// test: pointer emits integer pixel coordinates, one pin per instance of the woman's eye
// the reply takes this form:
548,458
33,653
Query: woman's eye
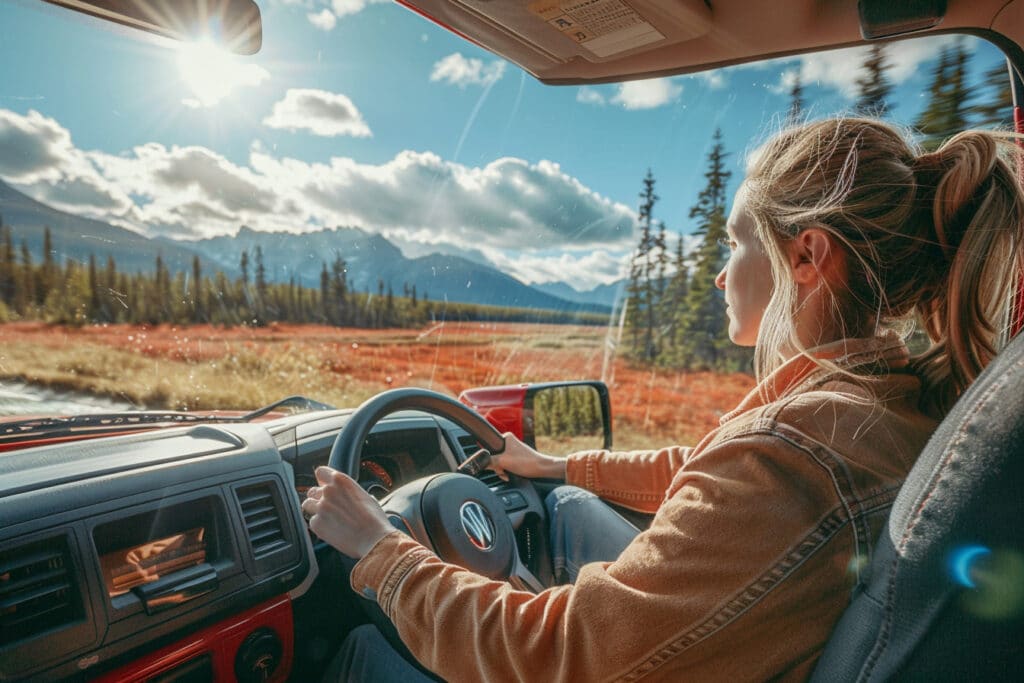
727,243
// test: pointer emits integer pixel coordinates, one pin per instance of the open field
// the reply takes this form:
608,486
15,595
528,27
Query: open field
206,367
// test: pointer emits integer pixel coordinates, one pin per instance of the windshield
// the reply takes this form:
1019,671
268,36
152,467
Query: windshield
372,202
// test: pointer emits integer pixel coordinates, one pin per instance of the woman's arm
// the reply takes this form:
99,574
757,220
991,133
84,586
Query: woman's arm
636,480
685,598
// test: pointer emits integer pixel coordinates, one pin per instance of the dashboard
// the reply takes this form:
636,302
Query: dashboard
403,448
117,554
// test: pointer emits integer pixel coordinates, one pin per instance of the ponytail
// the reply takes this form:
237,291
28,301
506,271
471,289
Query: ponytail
977,213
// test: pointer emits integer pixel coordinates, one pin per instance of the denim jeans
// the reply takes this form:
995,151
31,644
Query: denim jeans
583,529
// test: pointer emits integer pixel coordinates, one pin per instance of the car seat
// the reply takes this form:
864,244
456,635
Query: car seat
944,596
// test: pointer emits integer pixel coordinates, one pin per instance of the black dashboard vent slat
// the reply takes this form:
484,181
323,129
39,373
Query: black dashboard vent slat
469,446
37,589
262,519
492,479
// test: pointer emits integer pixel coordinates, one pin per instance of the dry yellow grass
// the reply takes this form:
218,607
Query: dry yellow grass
203,368
242,378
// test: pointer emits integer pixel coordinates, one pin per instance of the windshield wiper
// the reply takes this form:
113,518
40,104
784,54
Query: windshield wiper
41,427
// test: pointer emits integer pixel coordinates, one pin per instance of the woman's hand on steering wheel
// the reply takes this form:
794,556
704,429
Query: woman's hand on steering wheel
518,458
344,515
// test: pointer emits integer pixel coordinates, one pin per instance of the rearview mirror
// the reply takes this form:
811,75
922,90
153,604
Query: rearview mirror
234,25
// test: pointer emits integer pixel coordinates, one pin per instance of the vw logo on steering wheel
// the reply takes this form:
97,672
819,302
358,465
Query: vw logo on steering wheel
477,524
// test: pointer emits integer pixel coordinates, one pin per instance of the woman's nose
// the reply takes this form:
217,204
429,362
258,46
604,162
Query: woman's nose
720,278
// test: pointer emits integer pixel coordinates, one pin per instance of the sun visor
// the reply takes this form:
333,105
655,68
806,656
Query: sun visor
542,36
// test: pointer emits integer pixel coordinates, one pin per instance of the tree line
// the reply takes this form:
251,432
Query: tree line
78,293
673,315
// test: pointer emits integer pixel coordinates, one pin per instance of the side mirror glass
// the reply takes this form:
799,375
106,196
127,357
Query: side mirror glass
564,418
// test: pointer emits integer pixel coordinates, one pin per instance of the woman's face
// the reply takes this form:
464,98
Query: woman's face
746,277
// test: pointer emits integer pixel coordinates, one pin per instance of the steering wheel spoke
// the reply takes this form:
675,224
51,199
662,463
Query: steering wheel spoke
523,579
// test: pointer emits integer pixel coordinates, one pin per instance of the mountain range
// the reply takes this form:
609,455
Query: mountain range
370,258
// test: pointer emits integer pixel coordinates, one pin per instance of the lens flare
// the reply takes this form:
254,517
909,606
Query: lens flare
963,560
994,580
212,73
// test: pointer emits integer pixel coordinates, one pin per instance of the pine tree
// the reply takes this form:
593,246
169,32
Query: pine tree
8,266
260,303
946,112
95,309
198,309
996,110
48,273
339,291
873,87
28,276
113,299
796,99
325,294
641,290
672,304
704,321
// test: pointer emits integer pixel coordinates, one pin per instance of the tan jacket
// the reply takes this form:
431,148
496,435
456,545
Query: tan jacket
760,534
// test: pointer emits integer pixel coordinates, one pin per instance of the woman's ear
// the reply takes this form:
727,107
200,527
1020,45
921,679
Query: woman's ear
814,258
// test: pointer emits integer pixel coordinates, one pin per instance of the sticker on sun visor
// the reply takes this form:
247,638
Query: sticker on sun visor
605,27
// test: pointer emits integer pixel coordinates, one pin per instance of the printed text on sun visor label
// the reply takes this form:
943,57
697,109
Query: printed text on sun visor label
604,27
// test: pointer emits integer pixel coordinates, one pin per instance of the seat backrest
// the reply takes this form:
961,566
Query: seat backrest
944,598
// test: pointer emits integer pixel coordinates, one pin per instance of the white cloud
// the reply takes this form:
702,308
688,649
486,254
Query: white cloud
589,95
344,7
33,145
583,270
508,203
714,79
318,111
323,20
40,158
507,206
839,69
648,94
462,71
330,11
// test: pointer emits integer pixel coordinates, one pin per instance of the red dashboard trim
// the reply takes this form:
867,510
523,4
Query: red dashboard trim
221,642
32,442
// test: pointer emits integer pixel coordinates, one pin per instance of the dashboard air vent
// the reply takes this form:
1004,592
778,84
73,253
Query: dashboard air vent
262,519
37,589
469,446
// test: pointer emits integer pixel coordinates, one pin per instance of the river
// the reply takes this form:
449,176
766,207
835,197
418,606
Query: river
18,398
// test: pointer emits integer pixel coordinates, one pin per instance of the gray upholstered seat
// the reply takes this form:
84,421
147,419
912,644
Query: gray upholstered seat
944,599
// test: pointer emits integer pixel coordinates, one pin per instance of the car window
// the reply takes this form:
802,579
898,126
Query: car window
371,202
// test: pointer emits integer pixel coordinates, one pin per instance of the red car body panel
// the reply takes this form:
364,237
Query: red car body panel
501,406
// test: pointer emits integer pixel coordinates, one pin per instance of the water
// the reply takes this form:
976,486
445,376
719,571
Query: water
18,398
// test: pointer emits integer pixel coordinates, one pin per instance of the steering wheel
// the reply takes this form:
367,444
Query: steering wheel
455,515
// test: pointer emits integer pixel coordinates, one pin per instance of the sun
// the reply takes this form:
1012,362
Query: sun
212,73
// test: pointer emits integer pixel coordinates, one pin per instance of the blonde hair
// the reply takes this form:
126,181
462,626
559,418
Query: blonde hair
935,237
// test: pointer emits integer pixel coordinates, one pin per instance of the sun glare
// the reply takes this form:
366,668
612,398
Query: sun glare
212,73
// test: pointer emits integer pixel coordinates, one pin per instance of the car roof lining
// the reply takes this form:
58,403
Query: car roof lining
737,31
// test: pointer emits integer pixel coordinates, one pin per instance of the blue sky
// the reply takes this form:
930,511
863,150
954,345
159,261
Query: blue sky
361,113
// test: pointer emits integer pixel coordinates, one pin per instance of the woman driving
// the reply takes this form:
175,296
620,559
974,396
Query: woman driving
840,237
